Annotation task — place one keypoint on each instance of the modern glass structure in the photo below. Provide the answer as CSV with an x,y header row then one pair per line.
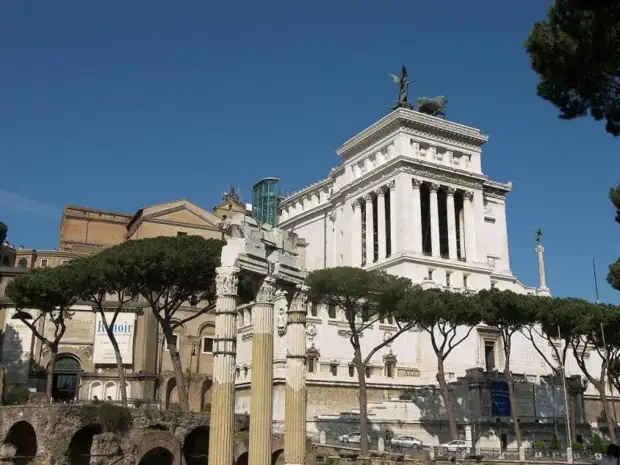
x,y
265,200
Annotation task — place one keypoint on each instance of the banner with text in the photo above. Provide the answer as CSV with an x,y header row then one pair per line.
x,y
123,330
17,346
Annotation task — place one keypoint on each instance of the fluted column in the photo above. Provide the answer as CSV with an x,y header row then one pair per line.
x,y
356,239
470,225
393,218
451,223
222,425
295,397
417,216
381,221
261,405
542,280
370,246
434,221
405,211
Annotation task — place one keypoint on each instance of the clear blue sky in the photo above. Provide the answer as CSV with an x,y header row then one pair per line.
x,y
118,105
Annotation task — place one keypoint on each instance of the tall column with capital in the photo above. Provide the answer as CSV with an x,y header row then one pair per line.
x,y
221,430
370,238
261,405
470,226
451,223
356,239
381,222
295,396
393,218
434,221
417,216
542,279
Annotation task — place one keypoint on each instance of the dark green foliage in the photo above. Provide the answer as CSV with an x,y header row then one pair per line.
x,y
3,232
112,418
576,52
614,197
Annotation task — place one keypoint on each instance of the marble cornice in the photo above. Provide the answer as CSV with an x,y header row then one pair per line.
x,y
303,216
305,191
95,220
406,256
415,123
180,224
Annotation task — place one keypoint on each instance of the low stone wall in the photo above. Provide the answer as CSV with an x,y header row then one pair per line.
x,y
101,433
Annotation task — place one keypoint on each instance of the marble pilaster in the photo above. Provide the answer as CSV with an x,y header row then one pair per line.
x,y
370,246
451,223
470,226
356,239
381,222
417,216
434,220
393,218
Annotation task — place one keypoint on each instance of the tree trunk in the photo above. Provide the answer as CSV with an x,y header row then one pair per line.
x,y
49,386
119,366
447,397
609,417
511,397
178,369
363,400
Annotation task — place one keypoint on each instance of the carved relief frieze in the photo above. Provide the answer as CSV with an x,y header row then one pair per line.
x,y
440,176
348,333
440,138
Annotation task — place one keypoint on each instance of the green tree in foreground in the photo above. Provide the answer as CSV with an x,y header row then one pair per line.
x,y
448,318
509,313
576,52
365,297
108,284
3,232
52,292
613,277
170,272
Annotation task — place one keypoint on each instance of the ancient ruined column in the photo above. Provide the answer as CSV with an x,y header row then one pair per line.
x,y
295,397
221,429
261,406
434,221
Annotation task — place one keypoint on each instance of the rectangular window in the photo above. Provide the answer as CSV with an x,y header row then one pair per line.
x,y
207,345
314,309
351,371
489,355
62,262
44,263
448,279
331,311
181,233
175,339
465,282
311,365
429,275
389,370
368,371
334,370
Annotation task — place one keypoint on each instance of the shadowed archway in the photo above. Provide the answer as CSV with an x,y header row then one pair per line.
x,y
24,438
81,442
157,456
196,446
243,459
277,458
172,396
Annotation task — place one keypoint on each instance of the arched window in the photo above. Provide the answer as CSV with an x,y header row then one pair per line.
x,y
22,263
96,390
110,391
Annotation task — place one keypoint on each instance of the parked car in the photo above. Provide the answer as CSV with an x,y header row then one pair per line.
x,y
406,441
353,438
455,446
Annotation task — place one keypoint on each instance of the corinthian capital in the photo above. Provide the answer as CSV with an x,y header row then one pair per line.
x,y
450,190
391,185
226,280
299,304
434,187
380,191
416,183
468,195
368,198
267,290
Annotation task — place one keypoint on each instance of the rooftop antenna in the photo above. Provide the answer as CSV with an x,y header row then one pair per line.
x,y
595,279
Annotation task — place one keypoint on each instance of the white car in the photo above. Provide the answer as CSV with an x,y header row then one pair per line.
x,y
353,438
406,441
455,446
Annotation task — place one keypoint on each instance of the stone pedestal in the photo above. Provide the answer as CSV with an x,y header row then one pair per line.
x,y
221,432
262,375
295,397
